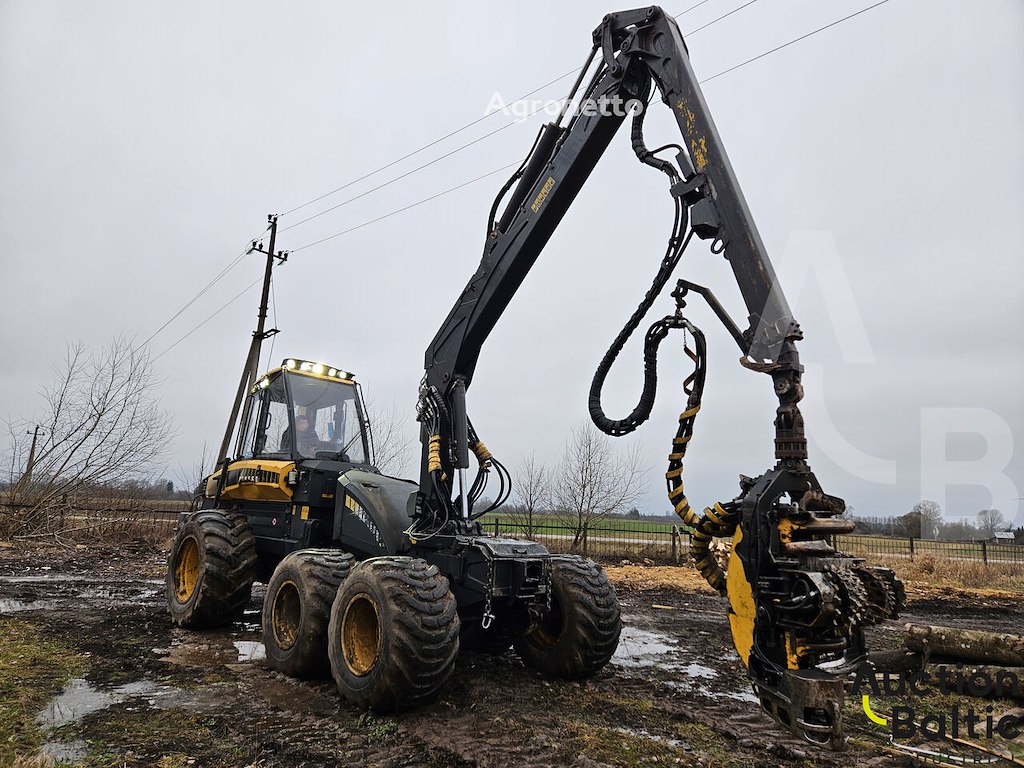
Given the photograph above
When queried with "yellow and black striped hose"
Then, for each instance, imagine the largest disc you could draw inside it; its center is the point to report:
(721, 519)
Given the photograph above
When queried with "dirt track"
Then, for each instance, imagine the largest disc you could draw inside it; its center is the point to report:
(150, 694)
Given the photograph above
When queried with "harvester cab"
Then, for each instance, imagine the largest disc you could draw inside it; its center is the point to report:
(302, 468)
(305, 410)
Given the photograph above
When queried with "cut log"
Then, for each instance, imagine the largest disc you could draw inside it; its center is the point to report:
(966, 644)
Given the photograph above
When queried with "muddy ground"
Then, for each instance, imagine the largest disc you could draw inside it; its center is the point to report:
(143, 693)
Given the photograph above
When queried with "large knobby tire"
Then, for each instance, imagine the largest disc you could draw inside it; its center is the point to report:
(297, 607)
(581, 631)
(394, 634)
(210, 569)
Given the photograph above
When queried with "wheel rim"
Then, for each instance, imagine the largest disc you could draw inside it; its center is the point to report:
(360, 635)
(286, 615)
(186, 570)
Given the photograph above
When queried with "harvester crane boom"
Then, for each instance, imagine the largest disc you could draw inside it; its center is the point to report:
(795, 602)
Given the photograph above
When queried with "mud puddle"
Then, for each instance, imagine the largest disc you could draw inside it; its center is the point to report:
(50, 591)
(213, 649)
(80, 698)
(645, 648)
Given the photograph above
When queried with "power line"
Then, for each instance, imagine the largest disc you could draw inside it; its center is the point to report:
(724, 15)
(426, 147)
(692, 7)
(457, 131)
(331, 237)
(409, 173)
(795, 40)
(210, 317)
(220, 275)
(405, 208)
(234, 262)
(195, 298)
(748, 61)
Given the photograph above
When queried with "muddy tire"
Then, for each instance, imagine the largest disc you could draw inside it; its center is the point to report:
(297, 607)
(581, 631)
(393, 636)
(210, 569)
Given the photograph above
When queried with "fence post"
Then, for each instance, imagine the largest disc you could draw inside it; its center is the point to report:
(911, 547)
(984, 552)
(675, 544)
(585, 540)
(497, 525)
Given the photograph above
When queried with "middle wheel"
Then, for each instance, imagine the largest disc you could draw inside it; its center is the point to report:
(297, 607)
(393, 636)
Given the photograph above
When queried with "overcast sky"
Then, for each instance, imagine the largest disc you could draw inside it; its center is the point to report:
(142, 145)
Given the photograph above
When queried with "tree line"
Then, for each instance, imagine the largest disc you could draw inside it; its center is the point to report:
(925, 521)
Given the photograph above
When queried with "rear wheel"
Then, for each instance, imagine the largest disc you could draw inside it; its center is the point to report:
(297, 607)
(210, 569)
(581, 631)
(393, 636)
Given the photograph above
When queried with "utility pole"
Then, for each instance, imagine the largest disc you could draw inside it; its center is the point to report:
(31, 454)
(253, 360)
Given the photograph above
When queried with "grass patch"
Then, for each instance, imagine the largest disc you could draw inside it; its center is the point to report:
(33, 668)
(380, 731)
(622, 747)
(166, 738)
(614, 746)
(960, 574)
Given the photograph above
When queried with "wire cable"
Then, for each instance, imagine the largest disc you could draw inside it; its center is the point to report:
(691, 8)
(234, 262)
(219, 276)
(410, 173)
(450, 134)
(795, 40)
(479, 139)
(210, 317)
(693, 32)
(231, 265)
(404, 208)
(429, 145)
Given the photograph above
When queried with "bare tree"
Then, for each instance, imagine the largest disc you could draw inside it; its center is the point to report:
(958, 530)
(594, 480)
(990, 521)
(102, 427)
(190, 479)
(923, 520)
(394, 438)
(532, 484)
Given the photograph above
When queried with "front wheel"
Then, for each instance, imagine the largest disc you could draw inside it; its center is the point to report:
(297, 607)
(580, 633)
(210, 570)
(393, 636)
